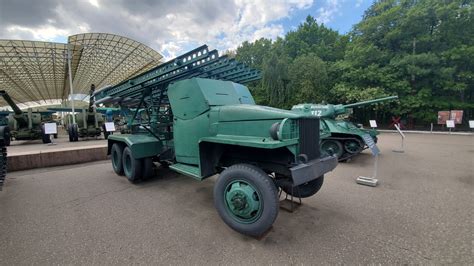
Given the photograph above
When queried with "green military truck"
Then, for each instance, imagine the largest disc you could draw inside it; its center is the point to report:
(202, 122)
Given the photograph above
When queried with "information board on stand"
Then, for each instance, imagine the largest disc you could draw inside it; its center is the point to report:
(51, 129)
(109, 126)
(370, 181)
(401, 150)
(373, 123)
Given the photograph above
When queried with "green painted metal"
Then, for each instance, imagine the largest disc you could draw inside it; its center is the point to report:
(193, 99)
(346, 133)
(333, 110)
(26, 125)
(192, 114)
(141, 145)
(243, 201)
(186, 169)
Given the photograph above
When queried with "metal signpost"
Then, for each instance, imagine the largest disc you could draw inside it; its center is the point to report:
(401, 150)
(50, 129)
(370, 181)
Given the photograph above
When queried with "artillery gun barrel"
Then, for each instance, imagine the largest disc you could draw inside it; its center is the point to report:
(91, 99)
(370, 102)
(10, 102)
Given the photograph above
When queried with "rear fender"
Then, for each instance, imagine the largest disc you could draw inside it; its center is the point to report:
(142, 146)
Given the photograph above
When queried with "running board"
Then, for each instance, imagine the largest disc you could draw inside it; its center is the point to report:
(186, 169)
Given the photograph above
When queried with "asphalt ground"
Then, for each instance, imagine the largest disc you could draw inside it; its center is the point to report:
(421, 213)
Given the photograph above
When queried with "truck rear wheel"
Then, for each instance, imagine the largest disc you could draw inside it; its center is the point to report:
(305, 190)
(148, 168)
(116, 156)
(132, 167)
(246, 199)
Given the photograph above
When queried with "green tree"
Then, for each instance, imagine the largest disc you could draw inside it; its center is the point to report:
(309, 80)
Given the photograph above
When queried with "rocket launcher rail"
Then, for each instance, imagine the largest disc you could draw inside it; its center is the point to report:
(199, 62)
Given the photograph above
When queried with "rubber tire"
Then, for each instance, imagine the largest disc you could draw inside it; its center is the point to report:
(106, 133)
(75, 131)
(261, 182)
(338, 143)
(116, 157)
(134, 173)
(70, 133)
(305, 190)
(148, 168)
(7, 136)
(46, 138)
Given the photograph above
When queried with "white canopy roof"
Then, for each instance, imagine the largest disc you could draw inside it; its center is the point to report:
(35, 73)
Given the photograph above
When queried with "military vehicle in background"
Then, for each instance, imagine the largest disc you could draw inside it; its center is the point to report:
(345, 138)
(199, 123)
(89, 123)
(3, 149)
(25, 125)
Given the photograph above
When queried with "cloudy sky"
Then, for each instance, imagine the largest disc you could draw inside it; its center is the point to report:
(172, 26)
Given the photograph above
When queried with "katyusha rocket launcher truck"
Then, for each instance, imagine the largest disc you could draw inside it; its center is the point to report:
(345, 139)
(200, 123)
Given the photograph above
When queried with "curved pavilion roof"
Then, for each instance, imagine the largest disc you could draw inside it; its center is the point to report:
(35, 72)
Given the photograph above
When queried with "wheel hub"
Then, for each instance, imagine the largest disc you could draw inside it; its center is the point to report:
(352, 146)
(242, 201)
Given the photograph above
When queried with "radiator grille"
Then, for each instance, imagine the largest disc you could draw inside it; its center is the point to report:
(309, 137)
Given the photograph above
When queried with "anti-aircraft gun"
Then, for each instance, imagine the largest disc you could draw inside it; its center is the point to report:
(345, 139)
(89, 123)
(200, 122)
(25, 126)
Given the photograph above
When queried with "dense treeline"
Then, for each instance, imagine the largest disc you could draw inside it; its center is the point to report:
(420, 50)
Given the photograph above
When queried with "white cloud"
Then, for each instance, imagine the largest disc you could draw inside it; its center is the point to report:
(44, 33)
(169, 26)
(328, 11)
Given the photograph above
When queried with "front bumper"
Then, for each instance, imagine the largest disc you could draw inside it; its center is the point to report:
(311, 170)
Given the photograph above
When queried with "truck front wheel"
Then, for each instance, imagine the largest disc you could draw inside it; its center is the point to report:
(131, 167)
(246, 199)
(305, 190)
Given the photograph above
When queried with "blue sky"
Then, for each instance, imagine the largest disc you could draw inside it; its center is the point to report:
(342, 19)
(173, 27)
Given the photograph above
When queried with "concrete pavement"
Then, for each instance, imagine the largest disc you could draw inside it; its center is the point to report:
(422, 212)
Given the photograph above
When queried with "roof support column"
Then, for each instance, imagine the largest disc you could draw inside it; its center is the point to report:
(71, 91)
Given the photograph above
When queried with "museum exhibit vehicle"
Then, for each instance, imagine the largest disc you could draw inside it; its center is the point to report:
(25, 125)
(89, 122)
(3, 146)
(345, 138)
(201, 121)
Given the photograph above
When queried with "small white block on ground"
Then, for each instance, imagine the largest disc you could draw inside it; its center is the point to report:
(367, 181)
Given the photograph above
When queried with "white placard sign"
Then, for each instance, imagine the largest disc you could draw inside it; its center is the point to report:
(50, 128)
(109, 126)
(471, 123)
(373, 123)
(450, 123)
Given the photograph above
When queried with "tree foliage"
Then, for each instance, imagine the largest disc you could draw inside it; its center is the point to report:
(420, 50)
